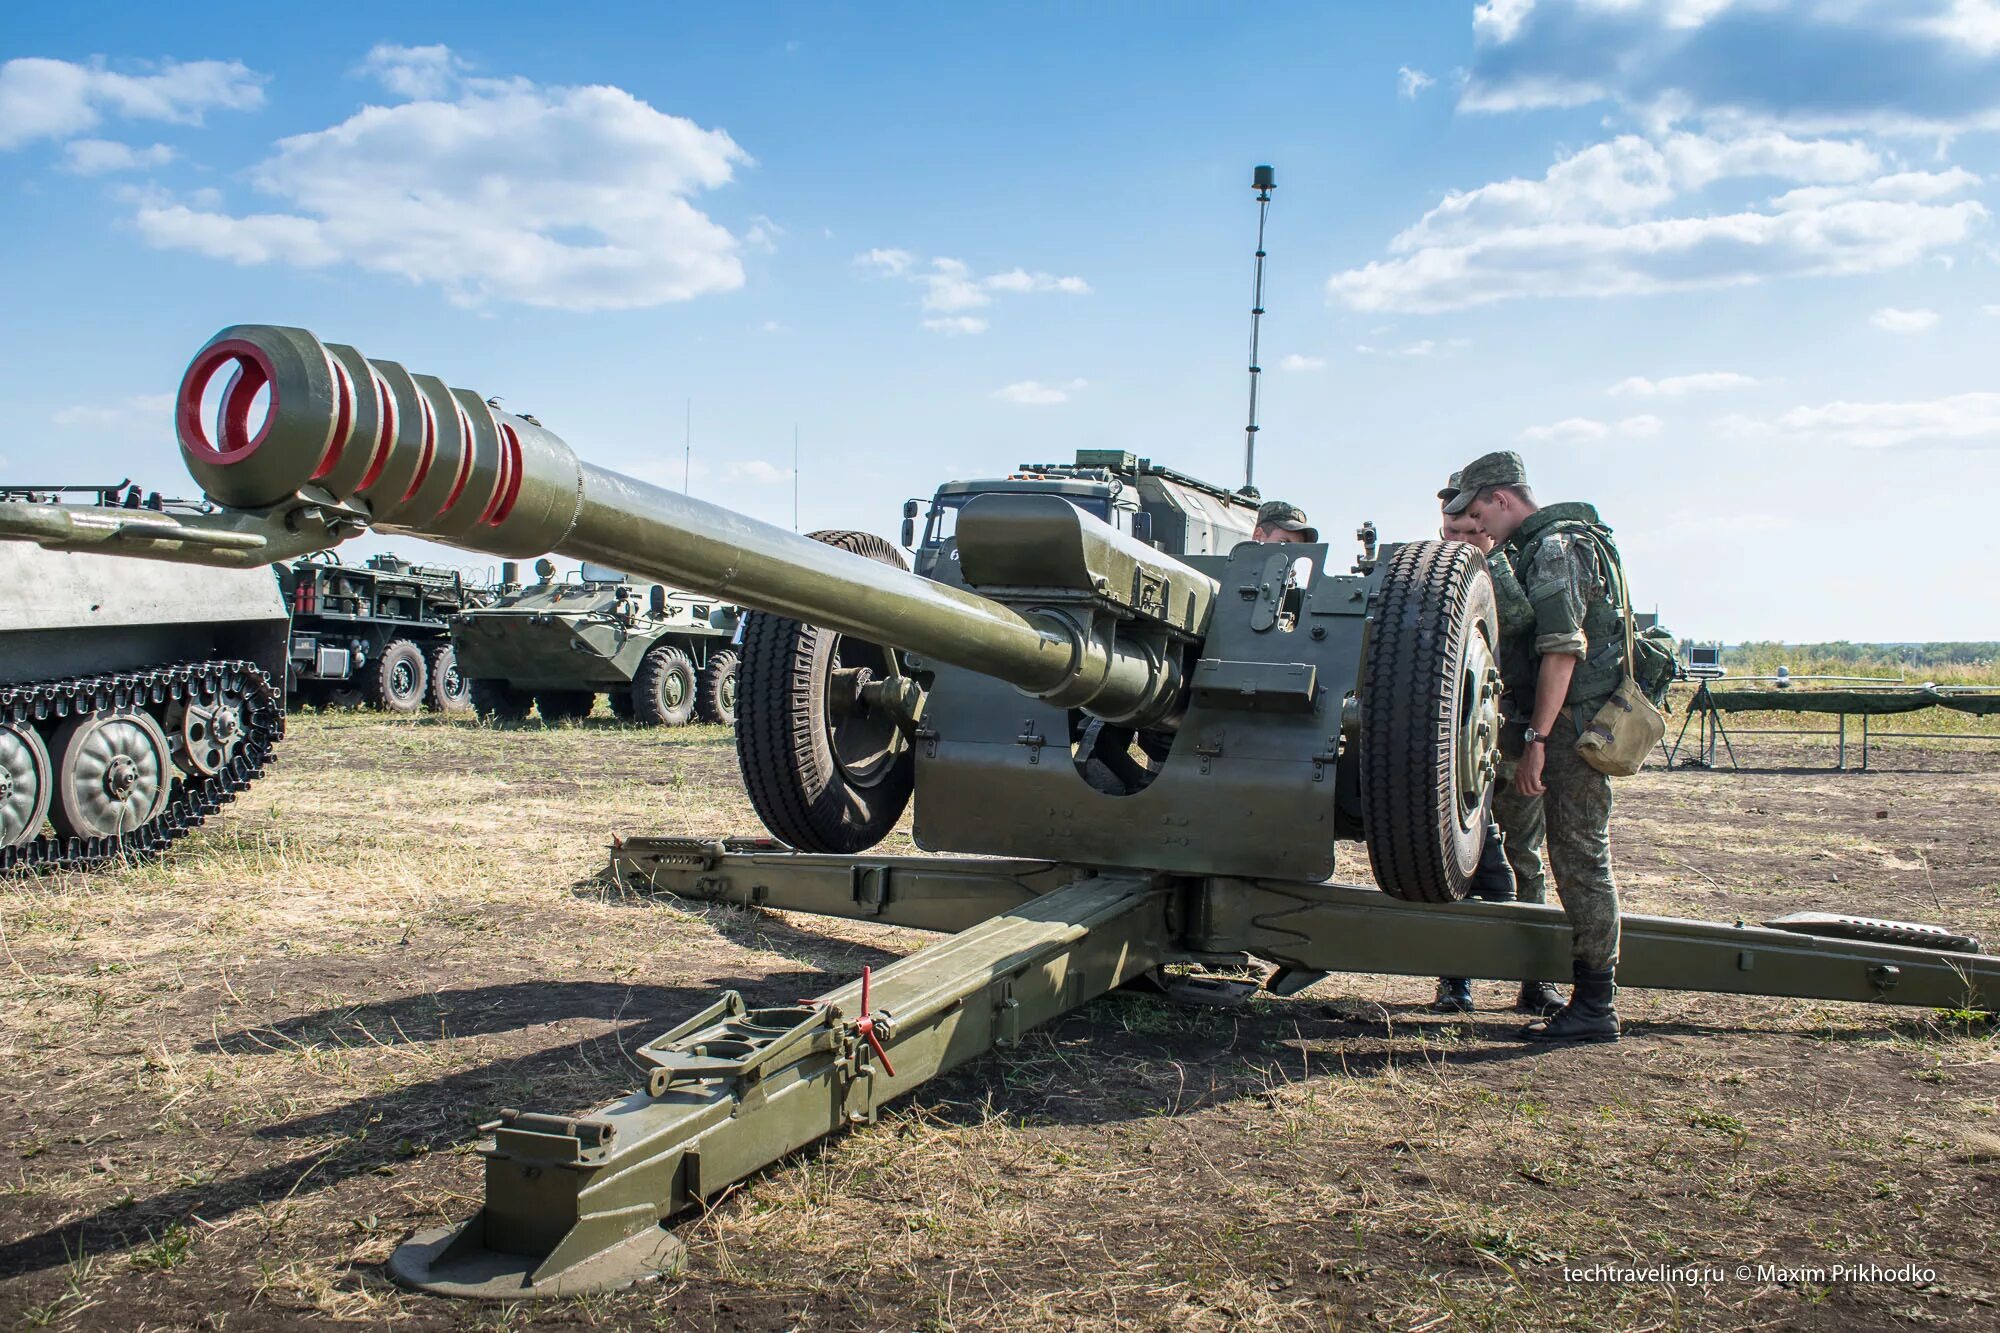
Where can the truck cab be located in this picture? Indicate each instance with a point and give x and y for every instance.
(1179, 514)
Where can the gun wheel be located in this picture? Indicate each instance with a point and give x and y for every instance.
(1430, 721)
(715, 692)
(825, 772)
(663, 689)
(397, 680)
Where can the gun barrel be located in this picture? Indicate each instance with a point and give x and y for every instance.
(416, 456)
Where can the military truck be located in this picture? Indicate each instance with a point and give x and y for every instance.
(663, 657)
(135, 698)
(376, 633)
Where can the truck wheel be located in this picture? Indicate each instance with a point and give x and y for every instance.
(663, 691)
(565, 705)
(397, 679)
(1430, 721)
(112, 775)
(825, 772)
(622, 706)
(448, 689)
(497, 701)
(715, 692)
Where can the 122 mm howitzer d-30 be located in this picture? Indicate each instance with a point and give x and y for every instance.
(1262, 715)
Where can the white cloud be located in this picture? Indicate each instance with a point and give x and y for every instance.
(759, 471)
(1970, 419)
(950, 286)
(1580, 430)
(417, 73)
(1677, 386)
(1034, 393)
(58, 99)
(1889, 319)
(1922, 67)
(1410, 82)
(1296, 363)
(574, 198)
(1421, 347)
(1592, 226)
(146, 417)
(95, 157)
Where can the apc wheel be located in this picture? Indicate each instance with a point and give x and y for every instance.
(663, 691)
(26, 779)
(1430, 721)
(564, 705)
(715, 692)
(111, 775)
(825, 772)
(397, 680)
(622, 706)
(449, 691)
(497, 701)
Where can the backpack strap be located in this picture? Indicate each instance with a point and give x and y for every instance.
(1615, 571)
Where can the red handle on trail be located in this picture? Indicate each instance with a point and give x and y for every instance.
(865, 1025)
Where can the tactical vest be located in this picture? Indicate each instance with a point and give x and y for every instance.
(1603, 664)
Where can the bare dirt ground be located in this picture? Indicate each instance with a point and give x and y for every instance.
(235, 1079)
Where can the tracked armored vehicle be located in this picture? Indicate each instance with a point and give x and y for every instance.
(661, 656)
(1276, 712)
(377, 633)
(135, 699)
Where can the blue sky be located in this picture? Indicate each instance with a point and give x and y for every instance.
(1725, 267)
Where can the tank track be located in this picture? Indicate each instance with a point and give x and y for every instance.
(196, 796)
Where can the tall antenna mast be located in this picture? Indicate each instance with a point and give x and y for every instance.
(1263, 180)
(795, 477)
(687, 454)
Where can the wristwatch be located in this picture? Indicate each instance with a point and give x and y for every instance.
(1529, 736)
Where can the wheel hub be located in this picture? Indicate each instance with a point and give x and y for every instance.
(1476, 747)
(120, 776)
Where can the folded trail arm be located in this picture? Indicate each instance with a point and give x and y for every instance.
(230, 538)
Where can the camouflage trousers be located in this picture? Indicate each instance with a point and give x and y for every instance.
(1572, 819)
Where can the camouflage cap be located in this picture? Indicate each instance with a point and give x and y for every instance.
(1503, 468)
(1286, 515)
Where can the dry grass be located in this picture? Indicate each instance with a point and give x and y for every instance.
(236, 1078)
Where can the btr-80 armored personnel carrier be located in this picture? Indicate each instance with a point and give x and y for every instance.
(662, 657)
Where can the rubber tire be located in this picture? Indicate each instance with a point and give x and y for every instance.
(709, 704)
(565, 705)
(381, 687)
(440, 697)
(663, 663)
(497, 701)
(1433, 596)
(795, 784)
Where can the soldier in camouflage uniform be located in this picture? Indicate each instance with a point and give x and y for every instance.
(1558, 670)
(1281, 521)
(1510, 863)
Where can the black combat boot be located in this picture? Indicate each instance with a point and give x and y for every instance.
(1454, 996)
(1538, 997)
(1493, 880)
(1587, 1017)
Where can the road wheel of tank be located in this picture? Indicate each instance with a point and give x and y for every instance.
(715, 692)
(497, 701)
(1430, 721)
(449, 691)
(564, 705)
(26, 778)
(397, 679)
(112, 774)
(825, 772)
(663, 689)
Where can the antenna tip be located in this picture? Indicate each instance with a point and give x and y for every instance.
(1263, 178)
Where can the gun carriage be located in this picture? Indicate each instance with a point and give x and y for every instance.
(1132, 758)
